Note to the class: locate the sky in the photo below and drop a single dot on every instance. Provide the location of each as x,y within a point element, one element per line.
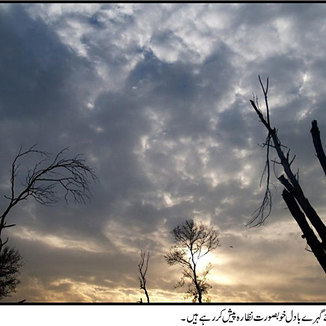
<point>156,98</point>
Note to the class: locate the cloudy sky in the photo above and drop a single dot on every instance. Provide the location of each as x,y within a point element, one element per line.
<point>156,97</point>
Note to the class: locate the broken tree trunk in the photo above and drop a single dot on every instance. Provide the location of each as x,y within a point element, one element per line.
<point>318,145</point>
<point>315,245</point>
<point>293,195</point>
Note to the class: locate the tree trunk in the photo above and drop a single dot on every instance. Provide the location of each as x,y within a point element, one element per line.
<point>315,245</point>
<point>315,133</point>
<point>195,277</point>
<point>306,207</point>
<point>199,295</point>
<point>147,296</point>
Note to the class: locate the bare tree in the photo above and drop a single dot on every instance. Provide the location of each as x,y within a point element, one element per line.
<point>192,242</point>
<point>313,228</point>
<point>143,268</point>
<point>10,263</point>
<point>48,177</point>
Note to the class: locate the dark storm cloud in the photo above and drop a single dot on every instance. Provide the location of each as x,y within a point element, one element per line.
<point>44,65</point>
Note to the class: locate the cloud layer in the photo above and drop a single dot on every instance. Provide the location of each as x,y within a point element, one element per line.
<point>156,97</point>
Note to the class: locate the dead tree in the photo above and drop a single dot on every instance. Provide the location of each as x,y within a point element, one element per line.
<point>313,228</point>
<point>44,181</point>
<point>192,242</point>
<point>142,268</point>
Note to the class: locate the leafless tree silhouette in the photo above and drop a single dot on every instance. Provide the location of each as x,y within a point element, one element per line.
<point>143,268</point>
<point>10,263</point>
<point>192,242</point>
<point>44,181</point>
<point>305,215</point>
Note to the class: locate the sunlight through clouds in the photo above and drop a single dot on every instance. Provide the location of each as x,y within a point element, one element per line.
<point>156,98</point>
